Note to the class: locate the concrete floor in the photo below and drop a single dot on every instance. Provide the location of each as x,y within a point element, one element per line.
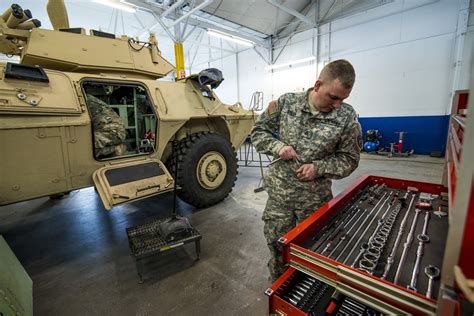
<point>78,257</point>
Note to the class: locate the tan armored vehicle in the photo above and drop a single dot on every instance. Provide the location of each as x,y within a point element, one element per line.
<point>87,109</point>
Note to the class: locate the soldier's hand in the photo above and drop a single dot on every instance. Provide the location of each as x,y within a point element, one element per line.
<point>288,153</point>
<point>306,172</point>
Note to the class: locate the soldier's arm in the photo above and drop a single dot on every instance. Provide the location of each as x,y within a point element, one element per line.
<point>263,133</point>
<point>347,155</point>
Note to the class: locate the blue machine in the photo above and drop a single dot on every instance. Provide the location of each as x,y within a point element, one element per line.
<point>372,140</point>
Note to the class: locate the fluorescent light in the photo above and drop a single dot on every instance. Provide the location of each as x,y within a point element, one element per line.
<point>122,5</point>
<point>231,38</point>
<point>290,63</point>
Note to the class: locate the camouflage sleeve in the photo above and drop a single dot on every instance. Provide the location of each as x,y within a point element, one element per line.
<point>347,155</point>
<point>263,133</point>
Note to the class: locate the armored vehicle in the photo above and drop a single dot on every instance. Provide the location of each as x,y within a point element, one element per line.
<point>86,108</point>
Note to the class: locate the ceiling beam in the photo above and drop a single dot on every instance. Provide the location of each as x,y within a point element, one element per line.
<point>299,16</point>
<point>191,12</point>
<point>295,24</point>
<point>209,24</point>
<point>172,8</point>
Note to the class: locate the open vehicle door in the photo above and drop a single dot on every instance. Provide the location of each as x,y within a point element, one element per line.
<point>125,182</point>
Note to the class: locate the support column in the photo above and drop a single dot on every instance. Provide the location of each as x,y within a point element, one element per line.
<point>179,58</point>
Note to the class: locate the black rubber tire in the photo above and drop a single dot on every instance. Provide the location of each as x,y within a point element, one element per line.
<point>190,150</point>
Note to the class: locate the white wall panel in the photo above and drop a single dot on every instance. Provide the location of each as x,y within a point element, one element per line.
<point>227,90</point>
<point>403,80</point>
<point>253,77</point>
<point>437,18</point>
<point>363,37</point>
<point>295,79</point>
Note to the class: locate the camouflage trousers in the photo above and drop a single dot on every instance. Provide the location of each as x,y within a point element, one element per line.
<point>279,218</point>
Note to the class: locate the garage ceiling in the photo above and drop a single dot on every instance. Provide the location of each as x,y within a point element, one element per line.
<point>258,15</point>
<point>260,19</point>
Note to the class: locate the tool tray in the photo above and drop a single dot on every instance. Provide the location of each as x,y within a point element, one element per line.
<point>146,239</point>
<point>345,218</point>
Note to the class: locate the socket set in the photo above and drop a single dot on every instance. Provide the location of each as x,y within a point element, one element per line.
<point>304,292</point>
<point>314,297</point>
<point>380,241</point>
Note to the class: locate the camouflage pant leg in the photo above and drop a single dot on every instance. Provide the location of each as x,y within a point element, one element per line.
<point>304,209</point>
<point>279,219</point>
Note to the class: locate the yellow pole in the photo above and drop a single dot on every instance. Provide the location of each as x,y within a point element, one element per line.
<point>179,58</point>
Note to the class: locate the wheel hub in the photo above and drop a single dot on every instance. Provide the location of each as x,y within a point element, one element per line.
<point>211,170</point>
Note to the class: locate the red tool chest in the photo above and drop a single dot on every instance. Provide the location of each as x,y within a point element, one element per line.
<point>372,291</point>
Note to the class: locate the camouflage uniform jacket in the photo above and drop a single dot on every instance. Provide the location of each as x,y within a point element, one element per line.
<point>331,141</point>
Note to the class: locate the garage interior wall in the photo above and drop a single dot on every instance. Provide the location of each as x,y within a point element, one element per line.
<point>409,57</point>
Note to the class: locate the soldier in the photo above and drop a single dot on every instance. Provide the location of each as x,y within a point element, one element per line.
<point>109,130</point>
<point>318,138</point>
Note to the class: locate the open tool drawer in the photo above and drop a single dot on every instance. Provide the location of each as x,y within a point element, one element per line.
<point>297,293</point>
<point>379,213</point>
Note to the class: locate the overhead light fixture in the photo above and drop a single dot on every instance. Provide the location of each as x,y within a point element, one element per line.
<point>231,38</point>
<point>290,63</point>
<point>122,5</point>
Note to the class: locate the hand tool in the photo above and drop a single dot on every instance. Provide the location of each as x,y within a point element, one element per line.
<point>393,252</point>
<point>374,252</point>
<point>354,308</point>
<point>291,300</point>
<point>278,159</point>
<point>303,287</point>
<point>367,265</point>
<point>347,298</point>
<point>406,246</point>
<point>274,161</point>
<point>347,311</point>
<point>362,250</point>
<point>422,239</point>
<point>432,273</point>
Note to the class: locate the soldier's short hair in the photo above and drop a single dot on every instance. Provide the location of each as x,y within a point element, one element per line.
<point>339,69</point>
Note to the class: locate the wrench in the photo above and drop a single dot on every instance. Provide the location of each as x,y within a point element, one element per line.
<point>432,273</point>
<point>406,246</point>
<point>362,250</point>
<point>422,239</point>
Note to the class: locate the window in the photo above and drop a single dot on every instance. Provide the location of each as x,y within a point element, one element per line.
<point>123,120</point>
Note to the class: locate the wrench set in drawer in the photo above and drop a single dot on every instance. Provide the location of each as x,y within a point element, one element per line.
<point>396,235</point>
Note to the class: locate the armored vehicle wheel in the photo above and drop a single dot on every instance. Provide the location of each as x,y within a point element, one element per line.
<point>207,168</point>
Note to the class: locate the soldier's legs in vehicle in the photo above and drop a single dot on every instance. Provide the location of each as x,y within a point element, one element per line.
<point>279,220</point>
